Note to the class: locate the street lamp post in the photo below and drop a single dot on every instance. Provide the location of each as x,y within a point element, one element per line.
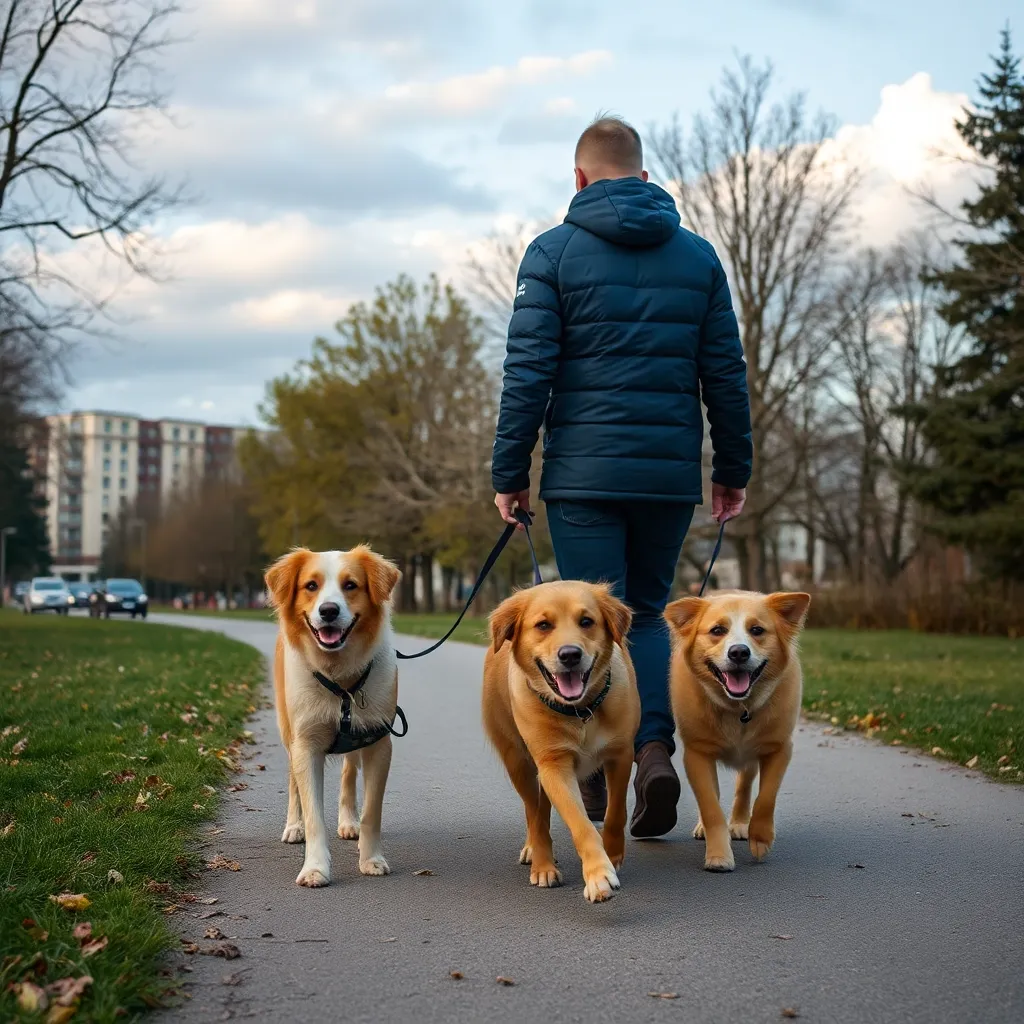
<point>7,531</point>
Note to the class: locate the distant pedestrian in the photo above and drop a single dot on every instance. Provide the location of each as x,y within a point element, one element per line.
<point>622,323</point>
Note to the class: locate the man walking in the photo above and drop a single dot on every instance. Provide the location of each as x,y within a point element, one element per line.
<point>622,322</point>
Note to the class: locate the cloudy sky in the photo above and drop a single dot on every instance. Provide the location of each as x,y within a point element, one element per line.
<point>332,144</point>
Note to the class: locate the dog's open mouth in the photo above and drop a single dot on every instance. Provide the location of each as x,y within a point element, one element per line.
<point>568,685</point>
<point>738,682</point>
<point>331,637</point>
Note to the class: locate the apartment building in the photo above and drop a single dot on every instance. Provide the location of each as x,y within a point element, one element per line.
<point>94,465</point>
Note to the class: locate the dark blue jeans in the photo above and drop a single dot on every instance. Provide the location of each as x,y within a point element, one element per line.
<point>634,546</point>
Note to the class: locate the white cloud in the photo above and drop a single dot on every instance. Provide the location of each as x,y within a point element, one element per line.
<point>295,308</point>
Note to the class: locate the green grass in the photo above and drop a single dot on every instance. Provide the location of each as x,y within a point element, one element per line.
<point>957,697</point>
<point>94,716</point>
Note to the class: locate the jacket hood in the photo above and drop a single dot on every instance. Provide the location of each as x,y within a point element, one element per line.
<point>625,211</point>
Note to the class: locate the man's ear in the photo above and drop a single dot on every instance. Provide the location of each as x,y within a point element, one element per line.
<point>791,608</point>
<point>504,620</point>
<point>617,615</point>
<point>283,575</point>
<point>382,576</point>
<point>683,614</point>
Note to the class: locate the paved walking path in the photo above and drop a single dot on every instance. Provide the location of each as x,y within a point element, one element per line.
<point>895,892</point>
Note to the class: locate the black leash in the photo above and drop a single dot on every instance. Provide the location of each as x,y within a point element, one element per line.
<point>714,557</point>
<point>523,520</point>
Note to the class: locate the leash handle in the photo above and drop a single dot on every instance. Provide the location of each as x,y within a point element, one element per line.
<point>524,519</point>
<point>714,557</point>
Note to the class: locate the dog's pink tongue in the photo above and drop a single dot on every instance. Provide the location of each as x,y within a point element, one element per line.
<point>329,634</point>
<point>737,682</point>
<point>570,684</point>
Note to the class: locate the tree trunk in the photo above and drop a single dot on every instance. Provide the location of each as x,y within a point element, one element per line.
<point>448,583</point>
<point>427,574</point>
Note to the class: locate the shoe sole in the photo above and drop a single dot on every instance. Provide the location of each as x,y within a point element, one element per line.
<point>658,816</point>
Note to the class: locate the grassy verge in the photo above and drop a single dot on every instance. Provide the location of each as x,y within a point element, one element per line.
<point>112,739</point>
<point>958,697</point>
<point>263,614</point>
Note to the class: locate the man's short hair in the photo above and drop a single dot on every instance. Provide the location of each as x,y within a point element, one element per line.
<point>612,143</point>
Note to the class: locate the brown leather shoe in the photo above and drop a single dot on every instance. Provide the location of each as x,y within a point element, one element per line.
<point>656,786</point>
<point>595,796</point>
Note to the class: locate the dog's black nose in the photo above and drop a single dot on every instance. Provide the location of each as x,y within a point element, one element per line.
<point>329,611</point>
<point>570,655</point>
<point>739,653</point>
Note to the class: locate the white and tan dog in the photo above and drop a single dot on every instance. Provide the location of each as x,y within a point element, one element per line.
<point>334,611</point>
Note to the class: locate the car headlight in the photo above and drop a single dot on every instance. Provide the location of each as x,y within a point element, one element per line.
<point>110,597</point>
<point>36,598</point>
<point>142,598</point>
<point>71,598</point>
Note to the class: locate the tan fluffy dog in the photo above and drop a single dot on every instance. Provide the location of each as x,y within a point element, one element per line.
<point>559,702</point>
<point>334,610</point>
<point>735,683</point>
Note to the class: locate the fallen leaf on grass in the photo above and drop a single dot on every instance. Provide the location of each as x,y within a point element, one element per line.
<point>456,975</point>
<point>790,1012</point>
<point>142,801</point>
<point>94,946</point>
<point>784,937</point>
<point>423,871</point>
<point>30,997</point>
<point>1008,768</point>
<point>1005,759</point>
<point>19,747</point>
<point>973,763</point>
<point>7,829</point>
<point>663,995</point>
<point>504,981</point>
<point>67,991</point>
<point>220,861</point>
<point>114,877</point>
<point>937,750</point>
<point>82,931</point>
<point>222,949</point>
<point>60,1014</point>
<point>157,888</point>
<point>71,901</point>
<point>121,777</point>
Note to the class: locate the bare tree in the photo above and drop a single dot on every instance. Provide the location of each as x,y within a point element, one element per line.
<point>758,180</point>
<point>77,80</point>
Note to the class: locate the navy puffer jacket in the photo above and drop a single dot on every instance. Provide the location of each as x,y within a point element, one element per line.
<point>622,322</point>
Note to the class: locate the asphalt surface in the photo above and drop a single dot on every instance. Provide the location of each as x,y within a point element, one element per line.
<point>895,892</point>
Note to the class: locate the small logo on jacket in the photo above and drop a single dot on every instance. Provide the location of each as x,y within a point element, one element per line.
<point>521,290</point>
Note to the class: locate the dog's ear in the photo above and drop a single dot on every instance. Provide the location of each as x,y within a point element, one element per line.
<point>791,608</point>
<point>504,620</point>
<point>681,615</point>
<point>282,577</point>
<point>617,616</point>
<point>382,576</point>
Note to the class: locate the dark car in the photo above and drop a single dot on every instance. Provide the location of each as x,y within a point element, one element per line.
<point>81,593</point>
<point>118,596</point>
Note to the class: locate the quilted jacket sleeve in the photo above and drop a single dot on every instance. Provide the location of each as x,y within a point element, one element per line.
<point>531,359</point>
<point>723,383</point>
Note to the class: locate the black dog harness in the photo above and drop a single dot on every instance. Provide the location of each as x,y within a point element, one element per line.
<point>346,741</point>
<point>573,710</point>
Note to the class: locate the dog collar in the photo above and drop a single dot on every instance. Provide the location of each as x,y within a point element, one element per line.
<point>573,710</point>
<point>345,740</point>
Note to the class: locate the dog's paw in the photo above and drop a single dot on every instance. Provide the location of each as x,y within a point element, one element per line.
<point>375,865</point>
<point>761,842</point>
<point>698,830</point>
<point>722,862</point>
<point>348,829</point>
<point>294,833</point>
<point>526,854</point>
<point>545,876</point>
<point>738,829</point>
<point>313,878</point>
<point>601,885</point>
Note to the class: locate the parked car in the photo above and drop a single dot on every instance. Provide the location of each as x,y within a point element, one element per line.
<point>117,596</point>
<point>81,592</point>
<point>48,594</point>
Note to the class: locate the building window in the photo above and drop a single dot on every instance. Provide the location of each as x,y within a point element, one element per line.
<point>124,426</point>
<point>106,518</point>
<point>124,465</point>
<point>124,500</point>
<point>106,483</point>
<point>176,433</point>
<point>106,501</point>
<point>153,469</point>
<point>106,465</point>
<point>106,447</point>
<point>107,426</point>
<point>123,483</point>
<point>177,450</point>
<point>174,469</point>
<point>124,447</point>
<point>191,434</point>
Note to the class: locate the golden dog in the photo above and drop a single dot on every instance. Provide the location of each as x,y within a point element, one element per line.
<point>735,683</point>
<point>559,702</point>
<point>334,611</point>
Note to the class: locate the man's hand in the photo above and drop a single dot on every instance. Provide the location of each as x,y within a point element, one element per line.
<point>507,502</point>
<point>726,502</point>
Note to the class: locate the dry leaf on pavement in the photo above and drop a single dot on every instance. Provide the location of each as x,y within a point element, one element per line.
<point>423,871</point>
<point>456,975</point>
<point>663,995</point>
<point>222,949</point>
<point>213,933</point>
<point>790,1012</point>
<point>220,861</point>
<point>782,936</point>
